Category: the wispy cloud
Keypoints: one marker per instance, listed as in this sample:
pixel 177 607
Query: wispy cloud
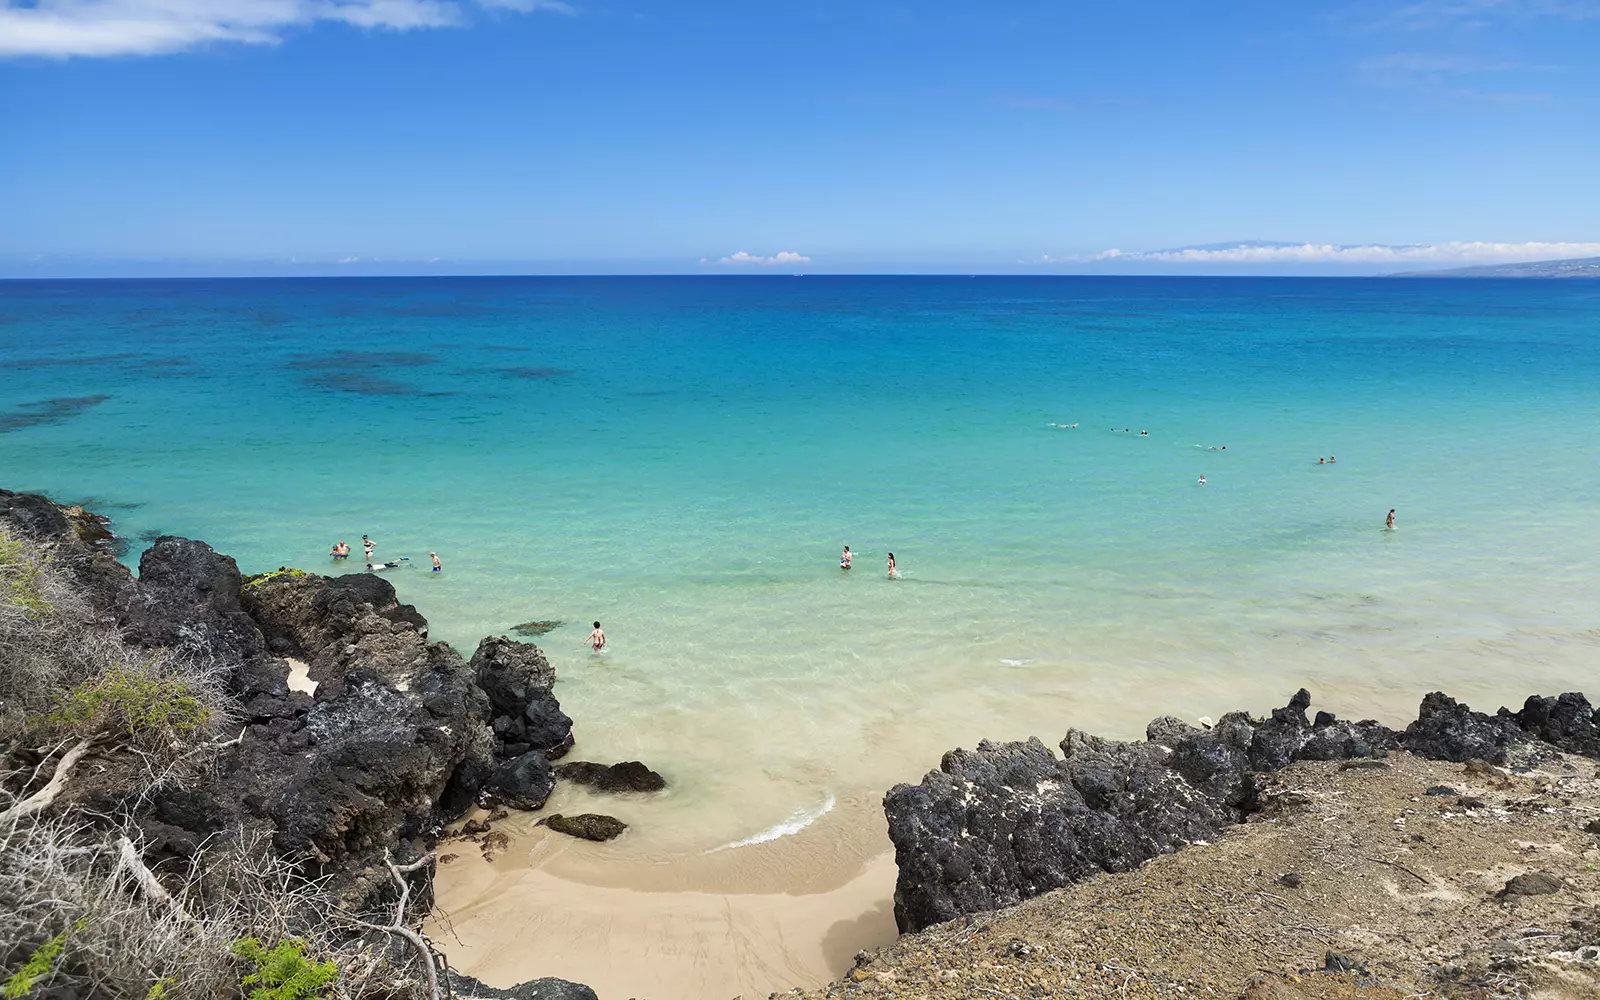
pixel 742 259
pixel 1371 253
pixel 1429 14
pixel 65 28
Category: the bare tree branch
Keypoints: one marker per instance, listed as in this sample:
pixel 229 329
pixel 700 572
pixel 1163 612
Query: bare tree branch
pixel 40 800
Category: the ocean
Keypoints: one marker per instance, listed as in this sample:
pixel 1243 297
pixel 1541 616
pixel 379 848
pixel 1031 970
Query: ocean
pixel 682 459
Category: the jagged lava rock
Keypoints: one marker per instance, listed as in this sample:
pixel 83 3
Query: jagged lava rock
pixel 524 782
pixel 1008 821
pixel 468 988
pixel 1567 722
pixel 1448 730
pixel 188 598
pixel 519 682
pixel 628 776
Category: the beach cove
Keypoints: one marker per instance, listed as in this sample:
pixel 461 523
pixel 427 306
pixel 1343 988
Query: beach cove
pixel 682 459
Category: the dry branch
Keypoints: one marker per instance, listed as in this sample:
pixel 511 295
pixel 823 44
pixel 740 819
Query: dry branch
pixel 398 927
pixel 40 800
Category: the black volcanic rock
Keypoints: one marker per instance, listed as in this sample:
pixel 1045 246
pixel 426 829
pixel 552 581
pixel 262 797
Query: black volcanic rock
pixel 467 988
pixel 1007 821
pixel 1448 730
pixel 519 682
pixel 628 776
pixel 393 741
pixel 1568 722
pixel 524 782
pixel 587 826
pixel 187 599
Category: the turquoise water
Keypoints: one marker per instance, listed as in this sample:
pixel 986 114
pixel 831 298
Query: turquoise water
pixel 682 458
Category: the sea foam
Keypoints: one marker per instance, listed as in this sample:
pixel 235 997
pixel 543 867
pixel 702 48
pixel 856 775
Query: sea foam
pixel 797 821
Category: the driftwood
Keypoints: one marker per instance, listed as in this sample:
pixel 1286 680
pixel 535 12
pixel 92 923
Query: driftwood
pixel 398 926
pixel 40 800
pixel 128 860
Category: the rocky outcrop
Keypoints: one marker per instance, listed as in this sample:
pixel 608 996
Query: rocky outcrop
pixel 393 741
pixel 526 716
pixel 1567 722
pixel 1448 730
pixel 1008 821
pixel 187 598
pixel 628 776
pixel 390 739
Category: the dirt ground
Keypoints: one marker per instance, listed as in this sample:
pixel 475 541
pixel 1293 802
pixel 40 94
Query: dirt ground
pixel 1398 868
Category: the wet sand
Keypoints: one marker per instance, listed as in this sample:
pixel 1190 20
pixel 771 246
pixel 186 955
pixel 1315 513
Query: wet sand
pixel 630 922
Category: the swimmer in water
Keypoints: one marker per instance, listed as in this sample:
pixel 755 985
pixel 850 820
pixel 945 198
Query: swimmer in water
pixel 437 565
pixel 845 557
pixel 1144 434
pixel 597 638
pixel 894 574
pixel 1388 522
pixel 340 550
pixel 1331 460
pixel 1322 461
pixel 1202 479
pixel 367 546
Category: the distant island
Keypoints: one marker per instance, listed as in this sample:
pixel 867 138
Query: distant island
pixel 1579 267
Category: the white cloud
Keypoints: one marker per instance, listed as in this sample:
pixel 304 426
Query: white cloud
pixel 63 28
pixel 742 259
pixel 1374 253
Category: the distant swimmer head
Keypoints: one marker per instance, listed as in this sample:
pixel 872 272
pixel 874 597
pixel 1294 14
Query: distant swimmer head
pixel 597 625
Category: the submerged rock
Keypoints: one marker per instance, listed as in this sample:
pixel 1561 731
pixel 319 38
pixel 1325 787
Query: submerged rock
pixel 588 826
pixel 533 629
pixel 628 776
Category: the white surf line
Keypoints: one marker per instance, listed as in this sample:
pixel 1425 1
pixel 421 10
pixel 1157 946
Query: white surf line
pixel 797 821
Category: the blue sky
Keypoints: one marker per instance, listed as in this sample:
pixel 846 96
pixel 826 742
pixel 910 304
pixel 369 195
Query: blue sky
pixel 399 135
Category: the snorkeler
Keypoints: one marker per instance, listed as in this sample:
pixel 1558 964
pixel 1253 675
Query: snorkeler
pixel 845 557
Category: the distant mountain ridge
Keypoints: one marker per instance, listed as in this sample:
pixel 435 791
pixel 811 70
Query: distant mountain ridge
pixel 1577 267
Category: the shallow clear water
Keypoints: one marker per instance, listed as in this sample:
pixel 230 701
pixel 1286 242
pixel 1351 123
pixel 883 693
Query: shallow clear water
pixel 683 458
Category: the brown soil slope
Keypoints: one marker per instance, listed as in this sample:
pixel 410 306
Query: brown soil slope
pixel 1354 858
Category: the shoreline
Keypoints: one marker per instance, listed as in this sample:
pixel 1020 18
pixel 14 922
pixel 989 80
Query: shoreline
pixel 650 929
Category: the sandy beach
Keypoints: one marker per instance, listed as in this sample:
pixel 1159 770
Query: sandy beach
pixel 764 917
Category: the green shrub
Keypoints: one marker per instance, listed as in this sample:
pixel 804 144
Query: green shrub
pixel 282 572
pixel 20 983
pixel 134 703
pixel 284 973
pixel 20 585
pixel 158 990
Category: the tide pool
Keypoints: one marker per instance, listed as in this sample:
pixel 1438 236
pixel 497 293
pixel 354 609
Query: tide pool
pixel 683 458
